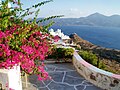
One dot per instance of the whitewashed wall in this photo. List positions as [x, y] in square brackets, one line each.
[100, 78]
[11, 78]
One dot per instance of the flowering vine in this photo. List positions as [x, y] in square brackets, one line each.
[23, 42]
[31, 49]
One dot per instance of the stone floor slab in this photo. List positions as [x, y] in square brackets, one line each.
[34, 80]
[92, 88]
[72, 80]
[80, 87]
[73, 74]
[64, 77]
[57, 76]
[43, 89]
[58, 86]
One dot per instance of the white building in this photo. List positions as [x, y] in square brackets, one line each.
[59, 33]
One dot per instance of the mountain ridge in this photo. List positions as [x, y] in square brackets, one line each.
[95, 19]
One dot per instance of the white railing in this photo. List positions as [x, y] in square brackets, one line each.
[100, 78]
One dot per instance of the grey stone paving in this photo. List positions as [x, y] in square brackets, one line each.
[64, 77]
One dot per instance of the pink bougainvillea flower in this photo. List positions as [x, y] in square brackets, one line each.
[2, 34]
[6, 84]
[27, 49]
[40, 78]
[33, 48]
[56, 38]
[24, 44]
[11, 89]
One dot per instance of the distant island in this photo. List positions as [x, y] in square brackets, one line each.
[95, 19]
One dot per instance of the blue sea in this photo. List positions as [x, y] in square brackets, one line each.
[108, 37]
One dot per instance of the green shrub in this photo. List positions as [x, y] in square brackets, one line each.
[53, 51]
[92, 59]
[68, 52]
[89, 57]
[59, 53]
[102, 65]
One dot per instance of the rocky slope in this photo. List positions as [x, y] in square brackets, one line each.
[111, 57]
[112, 54]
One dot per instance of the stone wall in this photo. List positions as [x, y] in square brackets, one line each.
[100, 78]
[10, 79]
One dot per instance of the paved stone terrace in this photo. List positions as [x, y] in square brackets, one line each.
[64, 77]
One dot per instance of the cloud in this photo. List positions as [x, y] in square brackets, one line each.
[74, 10]
[73, 13]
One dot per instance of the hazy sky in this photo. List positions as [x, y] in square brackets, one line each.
[76, 8]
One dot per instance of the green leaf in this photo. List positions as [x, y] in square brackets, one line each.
[49, 18]
[48, 25]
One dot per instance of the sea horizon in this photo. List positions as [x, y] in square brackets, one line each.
[107, 37]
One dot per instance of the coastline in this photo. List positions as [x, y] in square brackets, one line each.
[111, 57]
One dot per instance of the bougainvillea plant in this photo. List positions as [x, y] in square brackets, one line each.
[23, 42]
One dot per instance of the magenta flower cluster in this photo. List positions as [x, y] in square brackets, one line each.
[29, 53]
